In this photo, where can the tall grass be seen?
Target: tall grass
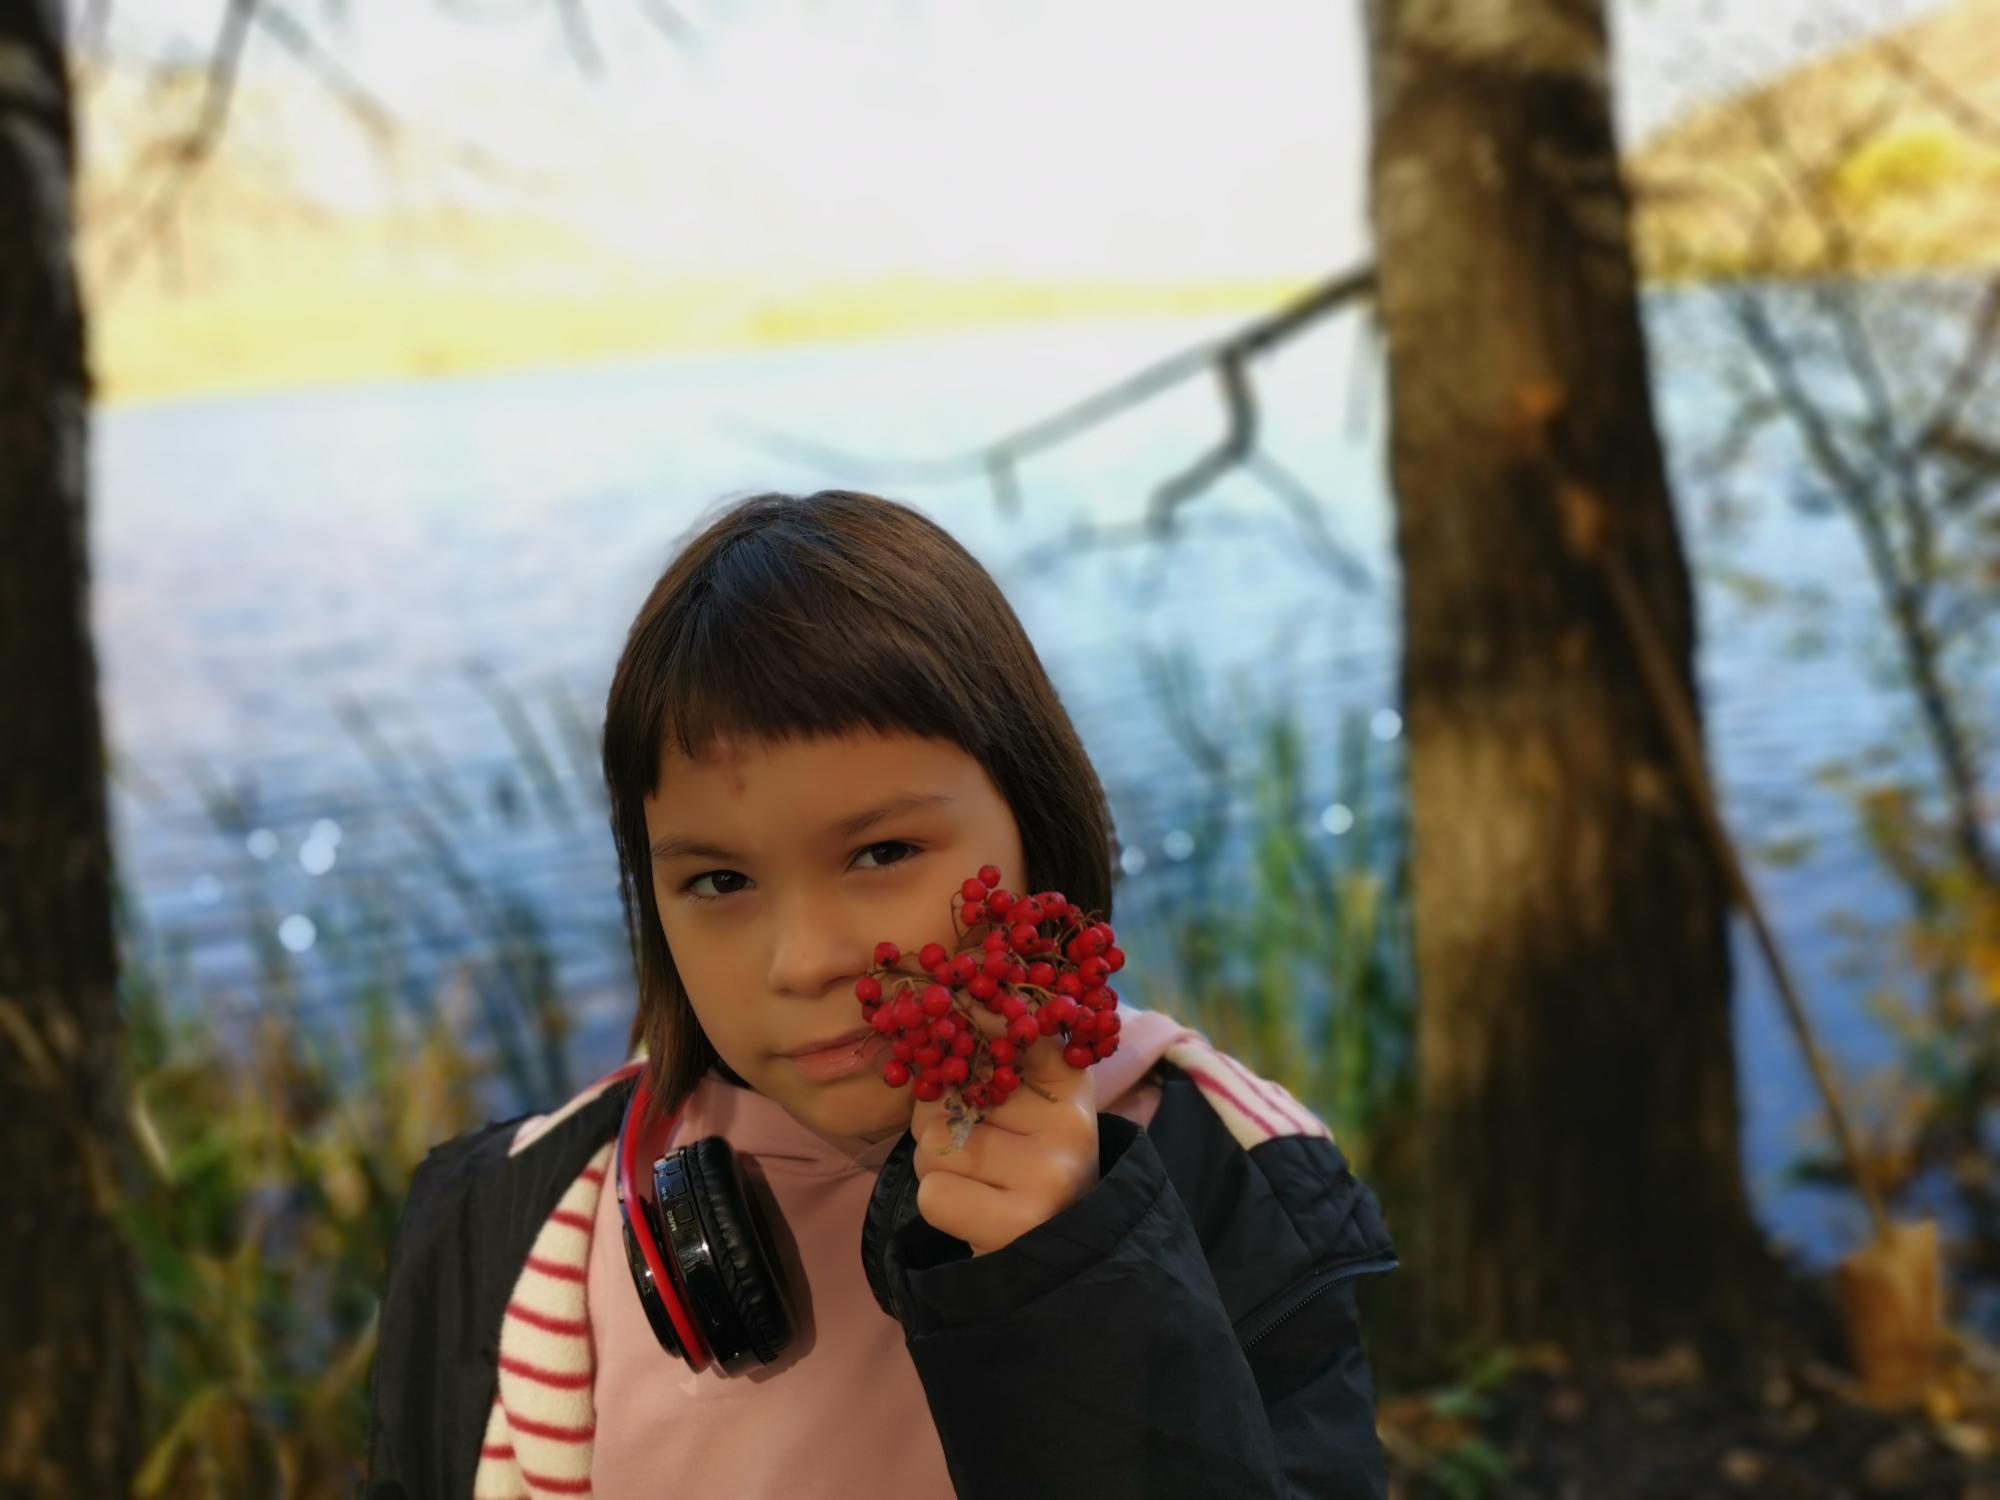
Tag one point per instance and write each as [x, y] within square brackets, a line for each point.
[1285, 938]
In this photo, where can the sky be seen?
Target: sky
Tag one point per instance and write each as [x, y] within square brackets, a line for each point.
[1128, 138]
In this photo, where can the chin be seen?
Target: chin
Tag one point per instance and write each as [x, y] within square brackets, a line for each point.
[863, 1106]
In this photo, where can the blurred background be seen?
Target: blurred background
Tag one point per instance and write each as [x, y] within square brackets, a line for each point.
[419, 334]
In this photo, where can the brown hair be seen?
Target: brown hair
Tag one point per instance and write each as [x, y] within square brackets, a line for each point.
[789, 618]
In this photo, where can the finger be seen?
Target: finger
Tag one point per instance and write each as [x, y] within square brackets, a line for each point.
[968, 1209]
[1002, 1158]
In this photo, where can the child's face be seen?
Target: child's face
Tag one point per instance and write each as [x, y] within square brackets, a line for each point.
[797, 906]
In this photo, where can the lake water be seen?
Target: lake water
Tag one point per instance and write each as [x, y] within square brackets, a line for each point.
[256, 557]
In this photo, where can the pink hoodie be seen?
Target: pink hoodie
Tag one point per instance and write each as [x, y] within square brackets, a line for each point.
[588, 1401]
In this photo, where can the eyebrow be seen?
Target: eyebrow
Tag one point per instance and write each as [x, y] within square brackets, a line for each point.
[672, 846]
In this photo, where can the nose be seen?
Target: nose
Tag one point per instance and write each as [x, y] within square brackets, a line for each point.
[818, 944]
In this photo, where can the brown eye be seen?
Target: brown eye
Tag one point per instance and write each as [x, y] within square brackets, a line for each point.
[689, 887]
[890, 844]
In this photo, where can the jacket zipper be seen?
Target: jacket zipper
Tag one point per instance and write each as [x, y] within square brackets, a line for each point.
[1337, 1274]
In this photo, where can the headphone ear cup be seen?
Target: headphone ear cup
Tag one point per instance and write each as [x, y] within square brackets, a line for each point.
[753, 1283]
[649, 1296]
[892, 1205]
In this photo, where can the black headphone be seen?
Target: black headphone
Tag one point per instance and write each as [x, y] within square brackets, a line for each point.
[720, 1297]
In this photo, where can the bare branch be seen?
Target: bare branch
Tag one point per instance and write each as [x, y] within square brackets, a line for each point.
[1781, 369]
[1969, 373]
[1939, 94]
[1177, 489]
[182, 157]
[190, 152]
[1255, 338]
[383, 125]
[671, 24]
[1325, 548]
[1228, 358]
[582, 40]
[1837, 303]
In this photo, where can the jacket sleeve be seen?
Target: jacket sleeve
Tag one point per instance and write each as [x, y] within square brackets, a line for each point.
[1095, 1356]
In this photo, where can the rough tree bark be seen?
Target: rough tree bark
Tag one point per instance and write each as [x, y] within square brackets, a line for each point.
[70, 1331]
[1579, 1101]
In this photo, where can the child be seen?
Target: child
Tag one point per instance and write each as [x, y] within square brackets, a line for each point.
[1137, 1281]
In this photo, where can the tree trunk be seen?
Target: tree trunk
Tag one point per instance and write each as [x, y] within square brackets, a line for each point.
[1582, 1177]
[70, 1339]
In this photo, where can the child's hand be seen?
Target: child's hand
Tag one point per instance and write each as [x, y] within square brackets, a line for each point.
[1029, 1159]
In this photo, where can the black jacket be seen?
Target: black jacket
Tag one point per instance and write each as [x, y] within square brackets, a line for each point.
[1201, 1295]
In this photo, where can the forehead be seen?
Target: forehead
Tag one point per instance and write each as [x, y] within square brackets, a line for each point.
[828, 765]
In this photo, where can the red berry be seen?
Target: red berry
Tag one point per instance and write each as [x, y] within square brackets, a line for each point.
[997, 964]
[1114, 959]
[887, 953]
[972, 890]
[983, 986]
[884, 1019]
[974, 914]
[1025, 1030]
[932, 955]
[1001, 1050]
[895, 1074]
[930, 1056]
[1079, 1056]
[1108, 1022]
[1012, 1005]
[989, 875]
[1093, 970]
[999, 902]
[906, 1011]
[930, 1090]
[1021, 934]
[1017, 974]
[867, 988]
[964, 1044]
[902, 1051]
[1047, 1019]
[1106, 1046]
[1099, 998]
[942, 1029]
[953, 1070]
[937, 1000]
[1084, 1027]
[1029, 911]
[1069, 984]
[1006, 1078]
[1041, 974]
[994, 941]
[964, 966]
[1054, 904]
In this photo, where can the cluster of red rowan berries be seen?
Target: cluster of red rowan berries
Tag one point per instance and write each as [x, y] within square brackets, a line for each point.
[1045, 985]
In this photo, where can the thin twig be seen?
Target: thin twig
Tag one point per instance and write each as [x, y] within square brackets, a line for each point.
[1939, 94]
[582, 40]
[1969, 374]
[190, 152]
[671, 24]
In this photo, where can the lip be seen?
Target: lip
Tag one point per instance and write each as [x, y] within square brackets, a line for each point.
[848, 1059]
[834, 1044]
